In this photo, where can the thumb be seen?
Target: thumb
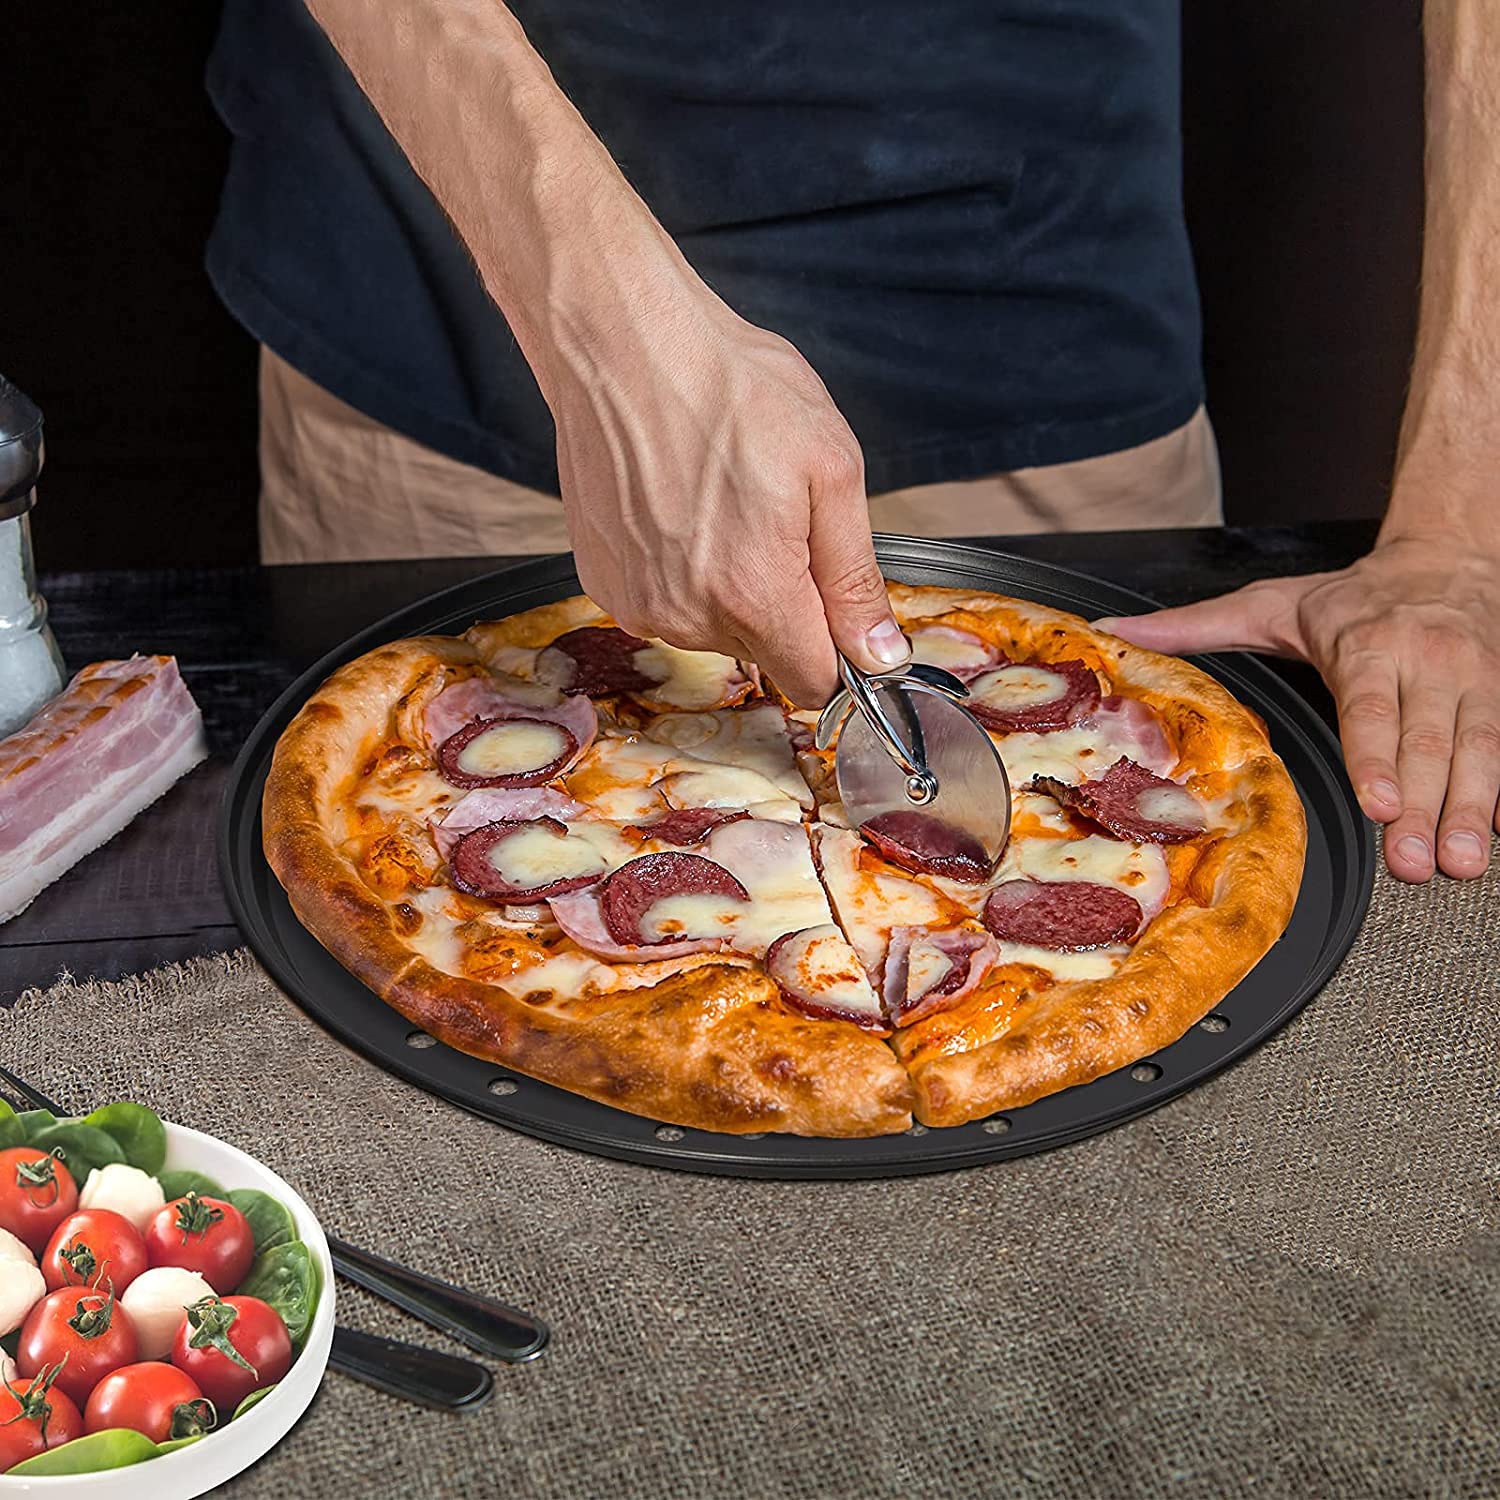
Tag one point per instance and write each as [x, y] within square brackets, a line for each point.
[841, 558]
[1260, 617]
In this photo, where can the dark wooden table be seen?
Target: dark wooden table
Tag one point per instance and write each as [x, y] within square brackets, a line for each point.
[152, 895]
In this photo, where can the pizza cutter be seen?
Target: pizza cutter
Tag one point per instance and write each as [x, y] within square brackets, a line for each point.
[907, 744]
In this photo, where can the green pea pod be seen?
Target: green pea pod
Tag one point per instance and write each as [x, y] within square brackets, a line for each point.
[173, 1444]
[253, 1399]
[270, 1221]
[114, 1448]
[181, 1182]
[11, 1133]
[287, 1278]
[139, 1131]
[84, 1147]
[33, 1120]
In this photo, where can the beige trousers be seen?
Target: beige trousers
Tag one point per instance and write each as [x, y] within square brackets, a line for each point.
[337, 486]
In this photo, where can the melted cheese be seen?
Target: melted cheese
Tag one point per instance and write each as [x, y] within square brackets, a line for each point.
[870, 902]
[512, 747]
[1171, 804]
[436, 939]
[1098, 963]
[773, 861]
[819, 966]
[953, 650]
[702, 916]
[536, 856]
[1140, 870]
[1020, 686]
[1067, 755]
[718, 786]
[755, 738]
[926, 965]
[687, 679]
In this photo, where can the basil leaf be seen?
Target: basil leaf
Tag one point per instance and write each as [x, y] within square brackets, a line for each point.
[139, 1131]
[11, 1132]
[270, 1220]
[286, 1278]
[84, 1147]
[33, 1120]
[179, 1183]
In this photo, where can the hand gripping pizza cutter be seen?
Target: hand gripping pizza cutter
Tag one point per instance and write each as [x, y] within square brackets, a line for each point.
[906, 744]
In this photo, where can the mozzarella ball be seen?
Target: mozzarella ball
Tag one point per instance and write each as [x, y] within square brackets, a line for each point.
[127, 1191]
[157, 1301]
[13, 1249]
[21, 1288]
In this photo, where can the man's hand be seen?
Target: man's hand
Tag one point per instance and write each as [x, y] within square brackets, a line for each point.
[1408, 640]
[715, 497]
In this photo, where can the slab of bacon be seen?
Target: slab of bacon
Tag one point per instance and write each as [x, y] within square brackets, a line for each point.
[107, 746]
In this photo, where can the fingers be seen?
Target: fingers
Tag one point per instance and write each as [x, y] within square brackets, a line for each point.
[841, 558]
[1469, 811]
[1368, 692]
[1259, 617]
[1423, 759]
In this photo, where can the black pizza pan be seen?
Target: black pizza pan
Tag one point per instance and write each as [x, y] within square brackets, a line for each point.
[1335, 892]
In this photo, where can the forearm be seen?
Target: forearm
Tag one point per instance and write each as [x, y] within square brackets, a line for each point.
[1450, 436]
[561, 242]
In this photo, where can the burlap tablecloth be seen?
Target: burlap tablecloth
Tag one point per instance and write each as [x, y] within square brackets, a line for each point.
[1286, 1283]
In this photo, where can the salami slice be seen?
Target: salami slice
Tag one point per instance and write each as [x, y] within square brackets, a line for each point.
[1132, 803]
[917, 841]
[1068, 916]
[506, 752]
[819, 974]
[628, 897]
[928, 971]
[595, 660]
[523, 863]
[499, 805]
[1033, 697]
[579, 916]
[499, 696]
[684, 825]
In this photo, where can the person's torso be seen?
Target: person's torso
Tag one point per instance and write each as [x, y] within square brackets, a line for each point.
[967, 216]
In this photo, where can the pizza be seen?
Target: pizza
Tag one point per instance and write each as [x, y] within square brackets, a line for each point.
[623, 869]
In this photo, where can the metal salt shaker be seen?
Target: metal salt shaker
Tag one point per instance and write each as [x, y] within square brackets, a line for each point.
[31, 667]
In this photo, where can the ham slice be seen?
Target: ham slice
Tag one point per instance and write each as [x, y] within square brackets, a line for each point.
[499, 804]
[956, 651]
[1136, 730]
[105, 748]
[500, 697]
[929, 971]
[581, 916]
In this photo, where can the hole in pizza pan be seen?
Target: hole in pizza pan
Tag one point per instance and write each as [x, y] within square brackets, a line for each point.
[503, 1086]
[754, 1135]
[420, 1040]
[1216, 1025]
[916, 1130]
[1145, 1072]
[998, 1125]
[669, 1133]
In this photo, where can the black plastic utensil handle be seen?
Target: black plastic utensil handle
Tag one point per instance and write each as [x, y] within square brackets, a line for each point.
[480, 1322]
[444, 1382]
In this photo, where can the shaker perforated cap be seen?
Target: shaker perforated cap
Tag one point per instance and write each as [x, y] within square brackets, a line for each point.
[20, 451]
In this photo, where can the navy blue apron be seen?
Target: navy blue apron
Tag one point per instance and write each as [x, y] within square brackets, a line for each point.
[967, 216]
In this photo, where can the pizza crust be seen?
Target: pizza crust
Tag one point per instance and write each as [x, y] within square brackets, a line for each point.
[716, 1047]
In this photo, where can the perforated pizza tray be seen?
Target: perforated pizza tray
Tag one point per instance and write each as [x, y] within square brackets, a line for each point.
[1335, 892]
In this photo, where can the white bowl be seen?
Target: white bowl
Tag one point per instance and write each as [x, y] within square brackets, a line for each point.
[200, 1466]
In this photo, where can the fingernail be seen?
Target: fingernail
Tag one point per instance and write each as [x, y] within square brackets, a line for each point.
[1464, 846]
[1413, 850]
[1107, 625]
[1386, 791]
[887, 645]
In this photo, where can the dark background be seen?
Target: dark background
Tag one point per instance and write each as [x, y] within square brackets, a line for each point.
[1303, 174]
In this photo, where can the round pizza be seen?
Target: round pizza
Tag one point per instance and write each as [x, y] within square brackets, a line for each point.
[623, 868]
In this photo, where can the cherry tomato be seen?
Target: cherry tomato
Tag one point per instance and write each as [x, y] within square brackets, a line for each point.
[206, 1235]
[84, 1330]
[94, 1247]
[154, 1398]
[232, 1346]
[37, 1193]
[34, 1417]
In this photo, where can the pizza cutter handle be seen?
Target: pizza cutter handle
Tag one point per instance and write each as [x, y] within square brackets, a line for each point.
[908, 752]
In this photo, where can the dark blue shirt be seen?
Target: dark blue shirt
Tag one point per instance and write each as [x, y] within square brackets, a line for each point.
[966, 215]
